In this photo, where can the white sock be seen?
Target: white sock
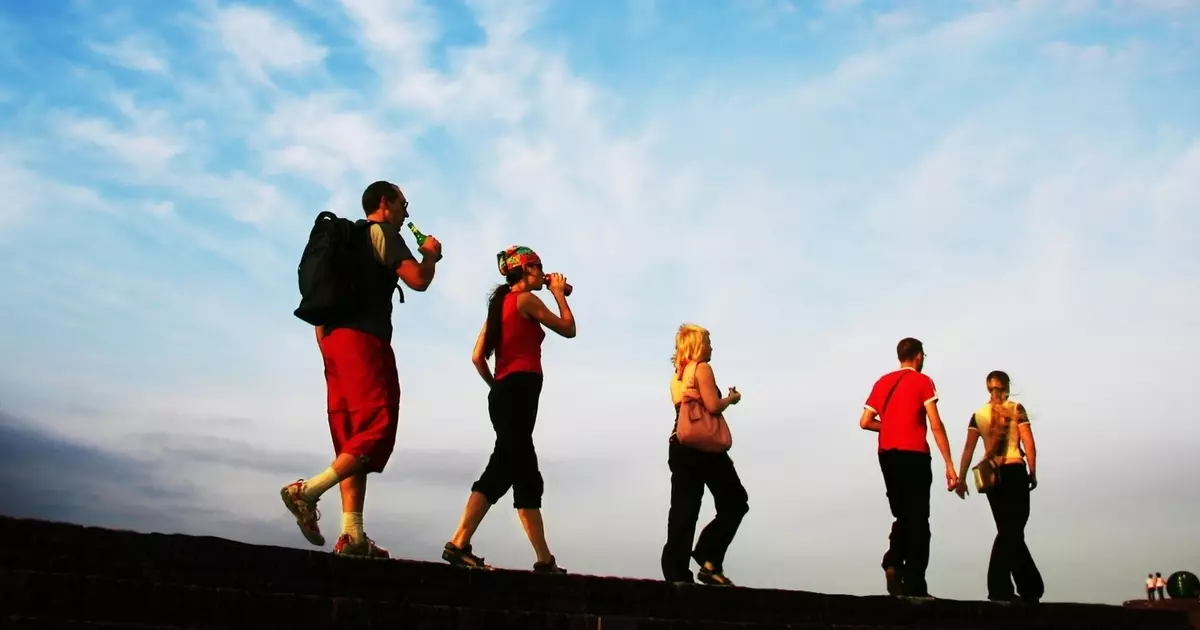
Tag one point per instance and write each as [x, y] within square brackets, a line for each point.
[318, 485]
[352, 524]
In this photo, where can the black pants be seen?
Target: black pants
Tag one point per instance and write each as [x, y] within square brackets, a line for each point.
[1011, 561]
[1160, 592]
[513, 406]
[908, 479]
[1150, 594]
[691, 471]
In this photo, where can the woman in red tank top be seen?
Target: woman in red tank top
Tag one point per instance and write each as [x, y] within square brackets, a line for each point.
[513, 332]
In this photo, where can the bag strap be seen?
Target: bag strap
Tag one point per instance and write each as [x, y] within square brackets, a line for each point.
[889, 394]
[691, 384]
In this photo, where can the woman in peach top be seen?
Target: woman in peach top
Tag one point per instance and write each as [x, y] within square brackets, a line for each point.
[692, 470]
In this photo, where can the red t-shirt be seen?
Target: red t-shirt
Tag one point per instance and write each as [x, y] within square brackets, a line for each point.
[902, 424]
[520, 347]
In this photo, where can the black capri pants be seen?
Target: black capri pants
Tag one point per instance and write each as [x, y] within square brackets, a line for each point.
[513, 406]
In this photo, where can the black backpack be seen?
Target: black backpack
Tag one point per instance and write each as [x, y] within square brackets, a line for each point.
[334, 269]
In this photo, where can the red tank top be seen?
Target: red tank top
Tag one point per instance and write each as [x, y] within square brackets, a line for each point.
[520, 348]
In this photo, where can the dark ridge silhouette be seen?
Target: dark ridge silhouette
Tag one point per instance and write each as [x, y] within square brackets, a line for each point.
[58, 575]
[1190, 607]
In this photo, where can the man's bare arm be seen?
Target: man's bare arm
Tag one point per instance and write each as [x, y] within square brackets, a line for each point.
[418, 275]
[869, 421]
[939, 432]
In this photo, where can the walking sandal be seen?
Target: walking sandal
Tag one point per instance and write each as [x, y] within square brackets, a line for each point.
[463, 557]
[548, 567]
[713, 577]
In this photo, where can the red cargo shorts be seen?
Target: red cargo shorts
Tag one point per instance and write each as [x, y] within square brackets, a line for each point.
[364, 395]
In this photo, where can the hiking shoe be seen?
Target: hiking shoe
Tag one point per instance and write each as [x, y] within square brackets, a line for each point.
[366, 548]
[305, 510]
[462, 557]
[713, 577]
[548, 567]
[894, 584]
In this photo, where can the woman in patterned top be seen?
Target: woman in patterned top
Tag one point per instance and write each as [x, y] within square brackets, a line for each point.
[1008, 443]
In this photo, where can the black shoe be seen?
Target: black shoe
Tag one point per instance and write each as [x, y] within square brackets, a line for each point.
[463, 557]
[548, 567]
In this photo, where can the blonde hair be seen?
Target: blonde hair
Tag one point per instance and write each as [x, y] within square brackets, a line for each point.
[689, 343]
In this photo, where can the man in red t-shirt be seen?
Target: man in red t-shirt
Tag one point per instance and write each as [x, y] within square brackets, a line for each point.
[897, 409]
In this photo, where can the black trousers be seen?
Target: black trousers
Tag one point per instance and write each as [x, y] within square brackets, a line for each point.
[1011, 560]
[513, 406]
[691, 472]
[908, 478]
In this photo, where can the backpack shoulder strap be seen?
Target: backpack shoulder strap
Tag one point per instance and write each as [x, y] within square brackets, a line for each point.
[365, 225]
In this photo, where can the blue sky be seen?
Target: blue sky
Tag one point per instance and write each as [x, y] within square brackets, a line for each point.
[1015, 183]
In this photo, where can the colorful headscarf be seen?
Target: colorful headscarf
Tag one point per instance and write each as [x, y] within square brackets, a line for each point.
[515, 257]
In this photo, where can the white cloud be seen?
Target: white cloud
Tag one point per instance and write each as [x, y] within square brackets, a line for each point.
[27, 193]
[263, 43]
[141, 151]
[132, 53]
[895, 20]
[810, 221]
[325, 137]
[838, 5]
[1159, 5]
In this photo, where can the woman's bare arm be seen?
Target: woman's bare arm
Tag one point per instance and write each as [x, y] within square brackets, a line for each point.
[1027, 442]
[968, 452]
[532, 306]
[477, 358]
[706, 382]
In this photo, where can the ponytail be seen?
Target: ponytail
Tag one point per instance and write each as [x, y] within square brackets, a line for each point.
[491, 335]
[495, 315]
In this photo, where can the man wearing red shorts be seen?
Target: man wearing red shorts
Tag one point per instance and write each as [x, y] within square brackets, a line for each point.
[360, 376]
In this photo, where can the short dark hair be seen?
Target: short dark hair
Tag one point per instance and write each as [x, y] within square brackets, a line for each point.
[377, 192]
[908, 349]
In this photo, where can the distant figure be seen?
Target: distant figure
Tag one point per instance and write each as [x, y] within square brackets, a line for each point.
[692, 470]
[513, 333]
[1009, 445]
[360, 371]
[897, 409]
[1150, 584]
[1160, 585]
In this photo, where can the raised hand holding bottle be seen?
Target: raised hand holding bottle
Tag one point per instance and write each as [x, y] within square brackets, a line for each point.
[421, 237]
